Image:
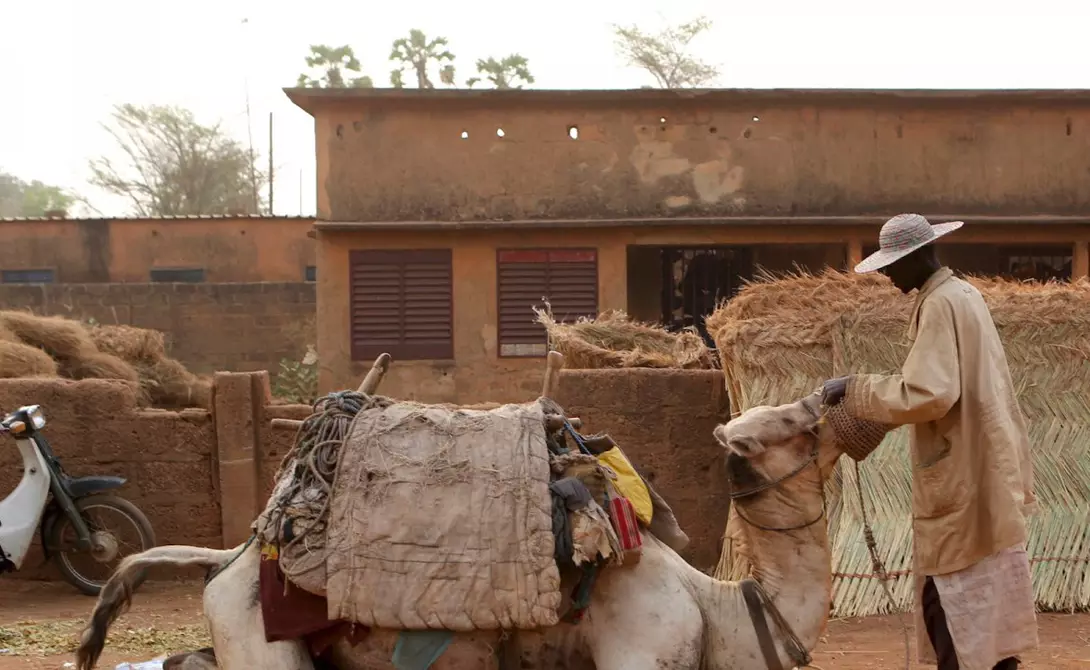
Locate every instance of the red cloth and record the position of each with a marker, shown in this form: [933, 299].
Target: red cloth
[292, 613]
[623, 516]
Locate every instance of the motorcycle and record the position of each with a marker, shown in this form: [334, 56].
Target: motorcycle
[67, 521]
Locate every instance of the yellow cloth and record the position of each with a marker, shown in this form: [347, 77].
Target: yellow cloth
[628, 482]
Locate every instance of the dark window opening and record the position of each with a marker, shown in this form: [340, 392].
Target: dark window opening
[310, 273]
[696, 279]
[1024, 263]
[40, 276]
[178, 275]
[566, 278]
[401, 303]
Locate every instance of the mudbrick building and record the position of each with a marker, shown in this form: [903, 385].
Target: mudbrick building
[445, 215]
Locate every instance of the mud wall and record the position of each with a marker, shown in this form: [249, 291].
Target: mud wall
[209, 327]
[663, 419]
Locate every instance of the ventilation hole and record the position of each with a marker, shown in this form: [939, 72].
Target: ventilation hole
[499, 132]
[1069, 127]
[756, 118]
[747, 133]
[662, 119]
[573, 132]
[713, 130]
[465, 134]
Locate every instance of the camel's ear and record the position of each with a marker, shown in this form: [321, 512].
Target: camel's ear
[745, 446]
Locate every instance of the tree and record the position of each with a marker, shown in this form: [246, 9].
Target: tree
[665, 55]
[416, 52]
[33, 198]
[503, 73]
[176, 166]
[333, 62]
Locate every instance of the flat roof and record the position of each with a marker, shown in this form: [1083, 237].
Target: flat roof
[184, 217]
[311, 98]
[676, 222]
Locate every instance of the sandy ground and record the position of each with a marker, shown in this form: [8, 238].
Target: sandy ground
[166, 613]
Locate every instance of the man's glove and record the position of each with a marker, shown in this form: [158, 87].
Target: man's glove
[833, 390]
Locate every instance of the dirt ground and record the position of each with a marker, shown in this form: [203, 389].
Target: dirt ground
[39, 620]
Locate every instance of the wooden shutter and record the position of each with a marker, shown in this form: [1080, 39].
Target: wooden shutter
[567, 278]
[401, 303]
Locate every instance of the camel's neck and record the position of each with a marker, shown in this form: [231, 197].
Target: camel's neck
[794, 567]
[795, 570]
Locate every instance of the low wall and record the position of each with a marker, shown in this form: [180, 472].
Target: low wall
[201, 477]
[208, 327]
[663, 419]
[95, 427]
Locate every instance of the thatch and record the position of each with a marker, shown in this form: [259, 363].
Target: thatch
[778, 340]
[50, 346]
[613, 340]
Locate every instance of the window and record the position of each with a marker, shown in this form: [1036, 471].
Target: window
[42, 276]
[1039, 263]
[567, 278]
[401, 302]
[178, 275]
[310, 273]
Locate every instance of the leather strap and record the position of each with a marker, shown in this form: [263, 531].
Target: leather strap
[760, 624]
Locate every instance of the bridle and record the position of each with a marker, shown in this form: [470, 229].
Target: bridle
[757, 600]
[815, 444]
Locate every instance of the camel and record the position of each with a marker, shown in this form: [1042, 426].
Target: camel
[660, 613]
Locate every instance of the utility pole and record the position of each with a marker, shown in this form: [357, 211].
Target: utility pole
[271, 211]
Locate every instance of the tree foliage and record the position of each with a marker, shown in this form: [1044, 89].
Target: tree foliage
[417, 53]
[174, 166]
[503, 74]
[333, 62]
[32, 198]
[665, 54]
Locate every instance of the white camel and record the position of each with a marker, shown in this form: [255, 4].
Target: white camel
[660, 613]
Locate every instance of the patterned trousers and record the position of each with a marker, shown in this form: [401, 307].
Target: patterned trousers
[935, 619]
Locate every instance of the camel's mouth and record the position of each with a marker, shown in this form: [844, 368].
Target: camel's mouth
[742, 476]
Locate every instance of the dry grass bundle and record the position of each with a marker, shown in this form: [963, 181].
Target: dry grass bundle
[779, 339]
[50, 346]
[22, 360]
[613, 340]
[59, 337]
[135, 345]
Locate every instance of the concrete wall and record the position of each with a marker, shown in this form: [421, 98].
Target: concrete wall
[245, 249]
[201, 477]
[209, 327]
[725, 153]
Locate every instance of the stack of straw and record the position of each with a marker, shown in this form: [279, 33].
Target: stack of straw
[613, 340]
[52, 346]
[778, 340]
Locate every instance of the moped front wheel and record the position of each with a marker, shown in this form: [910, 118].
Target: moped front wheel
[118, 529]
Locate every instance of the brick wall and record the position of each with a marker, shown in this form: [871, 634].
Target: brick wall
[201, 477]
[663, 419]
[209, 327]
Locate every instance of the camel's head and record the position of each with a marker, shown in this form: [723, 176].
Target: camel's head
[771, 452]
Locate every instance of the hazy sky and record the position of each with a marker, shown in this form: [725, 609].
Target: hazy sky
[64, 63]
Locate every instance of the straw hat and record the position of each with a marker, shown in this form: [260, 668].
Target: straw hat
[902, 235]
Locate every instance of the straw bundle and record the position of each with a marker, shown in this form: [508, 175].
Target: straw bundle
[51, 346]
[780, 339]
[613, 340]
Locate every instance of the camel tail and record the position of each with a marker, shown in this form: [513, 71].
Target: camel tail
[116, 596]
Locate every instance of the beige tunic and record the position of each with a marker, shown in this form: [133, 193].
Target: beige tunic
[972, 478]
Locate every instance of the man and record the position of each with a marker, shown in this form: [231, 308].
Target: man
[972, 479]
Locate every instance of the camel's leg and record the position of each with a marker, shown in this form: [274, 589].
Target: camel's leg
[643, 617]
[234, 616]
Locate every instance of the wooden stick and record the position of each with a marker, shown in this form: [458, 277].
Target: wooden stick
[286, 424]
[554, 363]
[375, 375]
[554, 422]
[368, 387]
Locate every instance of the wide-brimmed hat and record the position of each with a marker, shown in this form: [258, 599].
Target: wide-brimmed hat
[902, 235]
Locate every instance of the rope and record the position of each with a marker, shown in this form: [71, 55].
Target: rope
[312, 462]
[214, 572]
[876, 563]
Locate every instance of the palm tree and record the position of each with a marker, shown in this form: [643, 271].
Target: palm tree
[333, 60]
[503, 73]
[417, 52]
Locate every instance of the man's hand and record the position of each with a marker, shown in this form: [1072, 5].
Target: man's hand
[833, 390]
